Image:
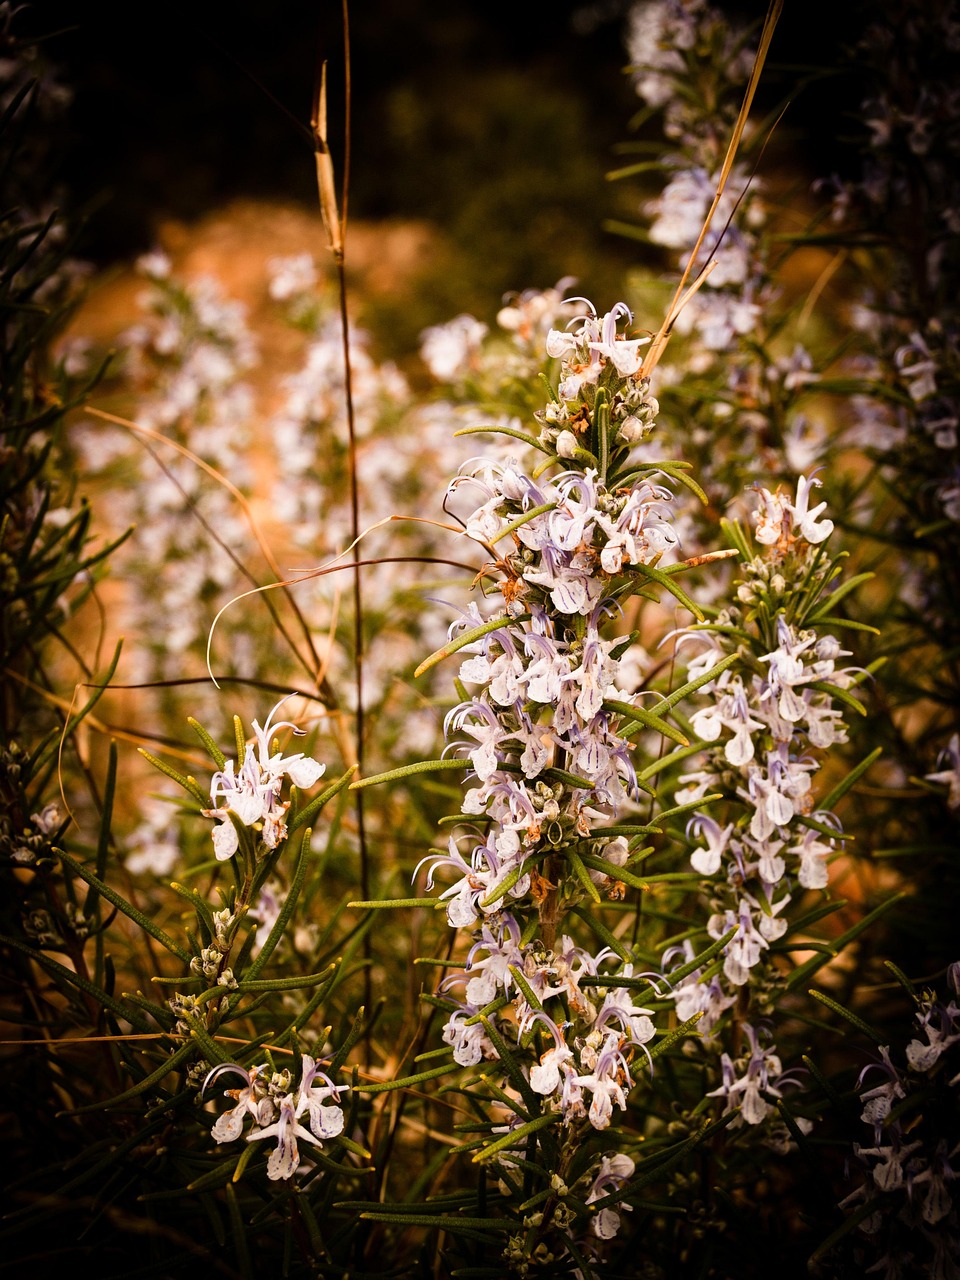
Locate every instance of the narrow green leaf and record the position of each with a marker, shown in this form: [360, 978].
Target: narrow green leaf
[631, 170]
[408, 1082]
[186, 1051]
[532, 441]
[692, 685]
[828, 1089]
[520, 521]
[353, 1147]
[219, 758]
[396, 904]
[121, 904]
[680, 809]
[705, 956]
[844, 786]
[532, 1101]
[852, 1018]
[99, 689]
[614, 872]
[216, 1177]
[666, 581]
[639, 719]
[678, 1033]
[810, 967]
[817, 913]
[106, 818]
[733, 531]
[604, 934]
[238, 1232]
[283, 918]
[503, 887]
[665, 762]
[211, 1050]
[522, 1131]
[582, 874]
[850, 624]
[443, 1221]
[188, 784]
[814, 824]
[468, 637]
[826, 603]
[664, 1162]
[848, 1225]
[839, 695]
[531, 997]
[902, 978]
[201, 907]
[288, 984]
[410, 771]
[623, 829]
[352, 1036]
[679, 472]
[495, 1005]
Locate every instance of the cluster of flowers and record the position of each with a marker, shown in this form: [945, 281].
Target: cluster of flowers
[688, 60]
[184, 363]
[603, 1038]
[906, 200]
[250, 795]
[404, 455]
[457, 352]
[543, 735]
[765, 725]
[673, 42]
[691, 63]
[268, 1098]
[249, 798]
[909, 1169]
[567, 530]
[188, 356]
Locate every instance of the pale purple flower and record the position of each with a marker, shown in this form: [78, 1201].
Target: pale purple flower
[325, 1121]
[284, 1160]
[760, 1077]
[252, 794]
[949, 776]
[614, 1171]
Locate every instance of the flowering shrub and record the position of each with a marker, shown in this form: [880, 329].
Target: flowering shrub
[620, 1027]
[550, 838]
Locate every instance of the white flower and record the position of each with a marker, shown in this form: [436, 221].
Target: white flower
[325, 1121]
[614, 1171]
[448, 349]
[253, 794]
[155, 264]
[285, 1157]
[253, 1099]
[290, 276]
[763, 1071]
[806, 521]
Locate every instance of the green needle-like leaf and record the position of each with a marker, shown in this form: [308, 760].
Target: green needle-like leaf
[515, 1135]
[128, 909]
[411, 771]
[467, 637]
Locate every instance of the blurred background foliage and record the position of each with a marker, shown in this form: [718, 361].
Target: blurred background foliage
[489, 128]
[495, 123]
